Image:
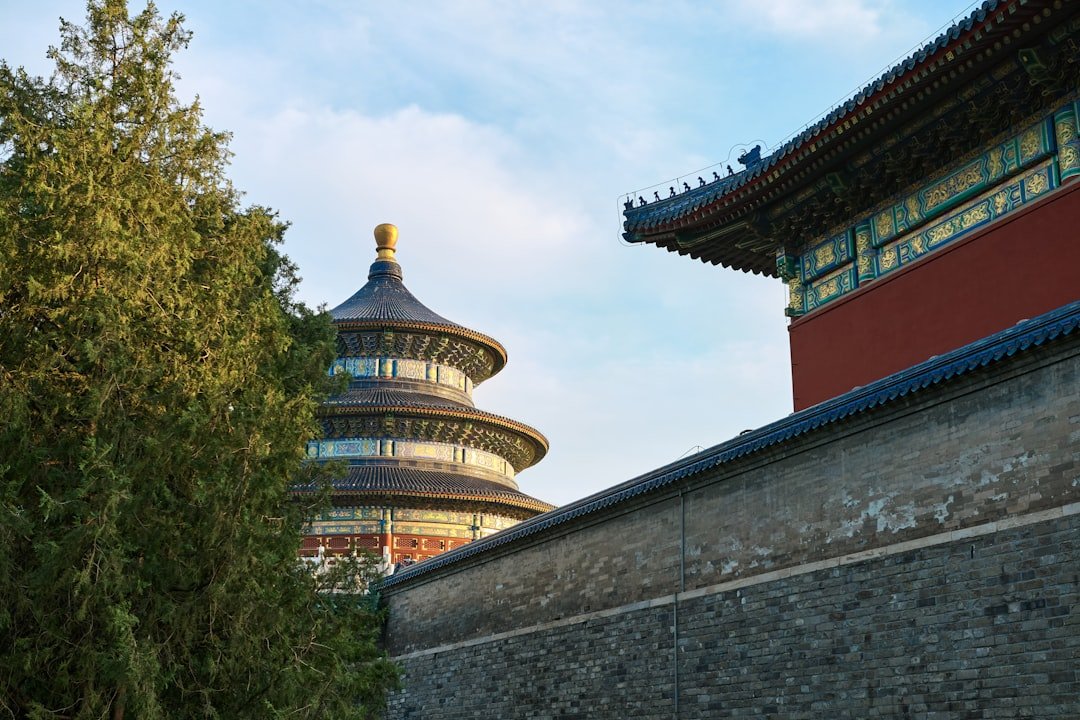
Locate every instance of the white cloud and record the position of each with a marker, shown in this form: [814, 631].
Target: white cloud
[499, 137]
[834, 20]
[458, 191]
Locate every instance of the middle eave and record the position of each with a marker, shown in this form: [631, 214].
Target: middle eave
[534, 439]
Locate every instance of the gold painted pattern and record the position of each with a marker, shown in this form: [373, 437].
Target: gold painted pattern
[883, 223]
[1035, 185]
[888, 260]
[956, 225]
[1068, 150]
[830, 287]
[830, 253]
[862, 239]
[796, 299]
[352, 513]
[864, 252]
[995, 162]
[1029, 144]
[410, 369]
[497, 521]
[433, 530]
[956, 184]
[1069, 159]
[914, 212]
[1065, 131]
[342, 528]
[825, 254]
[866, 266]
[441, 516]
[1000, 202]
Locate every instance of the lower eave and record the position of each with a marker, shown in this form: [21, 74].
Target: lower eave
[390, 484]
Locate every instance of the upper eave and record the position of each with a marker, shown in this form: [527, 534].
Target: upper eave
[716, 223]
[488, 344]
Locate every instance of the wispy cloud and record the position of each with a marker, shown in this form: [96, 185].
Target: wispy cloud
[826, 20]
[498, 136]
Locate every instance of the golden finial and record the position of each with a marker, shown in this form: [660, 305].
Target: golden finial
[386, 241]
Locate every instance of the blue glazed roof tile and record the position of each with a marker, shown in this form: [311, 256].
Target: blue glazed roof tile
[381, 478]
[385, 297]
[651, 215]
[382, 397]
[994, 348]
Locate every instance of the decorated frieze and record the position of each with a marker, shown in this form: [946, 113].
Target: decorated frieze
[462, 432]
[469, 357]
[1066, 127]
[352, 513]
[359, 448]
[864, 252]
[975, 214]
[1027, 147]
[496, 522]
[322, 527]
[401, 520]
[404, 369]
[983, 188]
[407, 529]
[828, 255]
[441, 516]
[830, 287]
[435, 530]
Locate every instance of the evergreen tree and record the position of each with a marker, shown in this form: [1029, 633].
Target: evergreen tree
[157, 386]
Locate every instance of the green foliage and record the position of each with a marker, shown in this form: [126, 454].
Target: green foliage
[157, 385]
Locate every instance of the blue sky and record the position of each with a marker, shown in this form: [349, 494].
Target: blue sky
[499, 137]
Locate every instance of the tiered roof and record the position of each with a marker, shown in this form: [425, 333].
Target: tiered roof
[406, 425]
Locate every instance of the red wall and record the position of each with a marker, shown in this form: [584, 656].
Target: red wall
[414, 547]
[1023, 265]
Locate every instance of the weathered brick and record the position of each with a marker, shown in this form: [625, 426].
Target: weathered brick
[980, 625]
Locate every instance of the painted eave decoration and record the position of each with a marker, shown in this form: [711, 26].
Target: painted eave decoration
[732, 221]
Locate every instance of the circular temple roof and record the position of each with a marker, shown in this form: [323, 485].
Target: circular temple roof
[406, 425]
[385, 302]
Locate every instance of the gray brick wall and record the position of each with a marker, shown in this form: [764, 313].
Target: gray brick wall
[917, 560]
[983, 628]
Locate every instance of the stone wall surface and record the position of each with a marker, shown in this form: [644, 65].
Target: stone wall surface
[918, 559]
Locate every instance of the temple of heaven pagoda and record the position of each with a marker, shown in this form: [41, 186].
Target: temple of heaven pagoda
[423, 470]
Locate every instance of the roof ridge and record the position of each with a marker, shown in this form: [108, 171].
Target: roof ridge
[651, 214]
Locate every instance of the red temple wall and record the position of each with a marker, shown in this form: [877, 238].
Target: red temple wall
[411, 547]
[1025, 264]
